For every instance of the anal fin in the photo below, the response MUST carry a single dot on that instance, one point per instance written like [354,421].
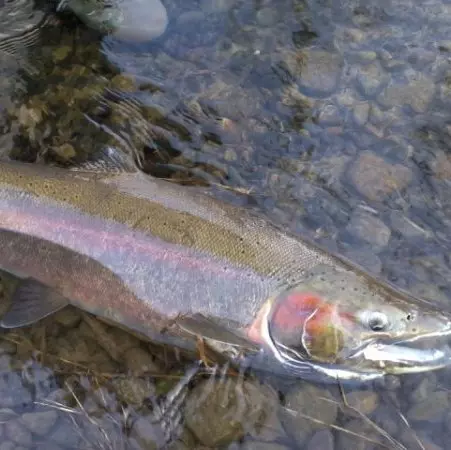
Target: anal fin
[32,301]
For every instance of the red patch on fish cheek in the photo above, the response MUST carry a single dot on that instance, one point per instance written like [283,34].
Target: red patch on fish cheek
[296,311]
[302,308]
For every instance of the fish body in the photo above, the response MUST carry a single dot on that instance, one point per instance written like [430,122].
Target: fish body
[174,263]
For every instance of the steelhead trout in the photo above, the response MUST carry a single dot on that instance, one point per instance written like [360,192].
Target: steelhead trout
[175,264]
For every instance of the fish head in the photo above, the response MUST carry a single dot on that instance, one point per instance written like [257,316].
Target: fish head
[339,318]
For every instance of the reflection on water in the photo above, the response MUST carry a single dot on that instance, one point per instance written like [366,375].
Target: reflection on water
[332,116]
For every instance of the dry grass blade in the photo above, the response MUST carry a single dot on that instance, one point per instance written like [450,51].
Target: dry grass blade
[396,444]
[404,419]
[103,439]
[336,427]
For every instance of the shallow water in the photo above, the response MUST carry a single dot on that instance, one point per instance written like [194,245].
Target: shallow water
[331,117]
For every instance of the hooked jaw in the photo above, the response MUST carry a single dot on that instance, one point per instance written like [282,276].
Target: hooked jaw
[374,358]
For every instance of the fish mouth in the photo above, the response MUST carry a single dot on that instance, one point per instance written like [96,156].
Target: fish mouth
[412,354]
[376,358]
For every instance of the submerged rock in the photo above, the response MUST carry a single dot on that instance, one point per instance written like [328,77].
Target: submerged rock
[320,72]
[364,402]
[40,422]
[374,178]
[130,20]
[417,94]
[431,408]
[220,412]
[308,408]
[370,229]
[323,440]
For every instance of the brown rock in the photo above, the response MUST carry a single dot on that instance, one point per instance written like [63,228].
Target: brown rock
[220,412]
[364,402]
[441,166]
[375,178]
[308,408]
[139,361]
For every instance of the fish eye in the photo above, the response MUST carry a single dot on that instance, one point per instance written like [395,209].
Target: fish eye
[377,321]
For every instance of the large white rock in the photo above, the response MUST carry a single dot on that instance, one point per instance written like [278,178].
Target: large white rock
[130,20]
[142,20]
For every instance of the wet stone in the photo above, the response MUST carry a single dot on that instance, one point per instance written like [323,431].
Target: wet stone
[220,412]
[39,423]
[375,178]
[185,441]
[420,58]
[64,434]
[410,438]
[139,361]
[101,432]
[416,93]
[68,317]
[431,408]
[320,72]
[13,393]
[361,113]
[305,403]
[323,440]
[386,418]
[364,402]
[133,391]
[113,340]
[148,434]
[371,79]
[370,229]
[267,16]
[441,165]
[270,430]
[405,226]
[16,432]
[363,57]
[358,436]
[330,115]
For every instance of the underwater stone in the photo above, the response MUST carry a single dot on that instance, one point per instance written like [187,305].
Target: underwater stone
[131,20]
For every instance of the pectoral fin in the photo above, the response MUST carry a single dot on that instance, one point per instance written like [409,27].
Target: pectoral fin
[207,328]
[31,301]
